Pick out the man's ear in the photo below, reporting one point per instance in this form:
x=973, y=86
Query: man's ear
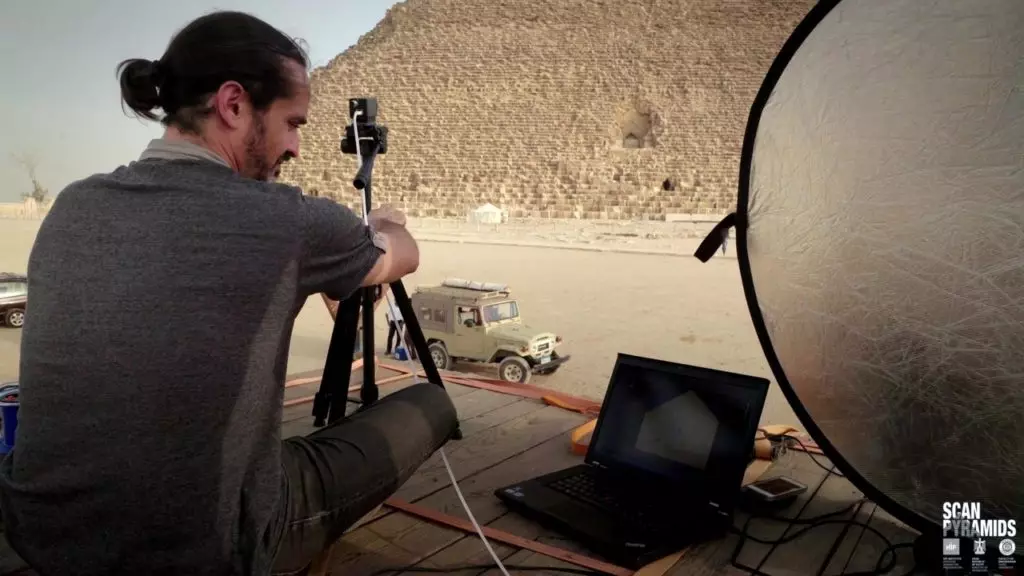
x=231, y=104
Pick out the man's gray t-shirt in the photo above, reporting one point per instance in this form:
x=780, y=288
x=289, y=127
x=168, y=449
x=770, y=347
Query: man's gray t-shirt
x=162, y=301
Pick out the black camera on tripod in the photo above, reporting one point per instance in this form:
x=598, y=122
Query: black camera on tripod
x=364, y=138
x=371, y=136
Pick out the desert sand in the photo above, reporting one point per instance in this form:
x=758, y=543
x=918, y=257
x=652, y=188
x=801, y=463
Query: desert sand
x=605, y=287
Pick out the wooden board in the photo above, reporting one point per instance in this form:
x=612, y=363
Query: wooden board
x=489, y=447
x=861, y=549
x=478, y=489
x=809, y=553
x=534, y=561
x=400, y=539
x=469, y=549
x=523, y=445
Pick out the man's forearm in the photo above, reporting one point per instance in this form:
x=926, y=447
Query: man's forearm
x=400, y=244
x=401, y=253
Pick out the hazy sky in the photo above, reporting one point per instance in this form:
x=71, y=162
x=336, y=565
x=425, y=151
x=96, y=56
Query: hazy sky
x=59, y=97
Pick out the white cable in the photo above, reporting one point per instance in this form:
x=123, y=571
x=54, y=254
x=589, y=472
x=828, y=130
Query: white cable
x=359, y=166
x=444, y=457
x=415, y=376
x=455, y=484
x=469, y=512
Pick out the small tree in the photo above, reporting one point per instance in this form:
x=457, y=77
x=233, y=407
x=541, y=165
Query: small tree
x=38, y=192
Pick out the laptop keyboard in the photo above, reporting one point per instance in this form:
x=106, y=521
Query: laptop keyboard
x=632, y=508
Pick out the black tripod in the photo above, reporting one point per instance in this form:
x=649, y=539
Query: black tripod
x=331, y=399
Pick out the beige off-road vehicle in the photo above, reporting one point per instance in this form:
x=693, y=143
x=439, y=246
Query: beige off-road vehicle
x=479, y=322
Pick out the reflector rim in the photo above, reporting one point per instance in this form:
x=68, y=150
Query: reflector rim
x=792, y=45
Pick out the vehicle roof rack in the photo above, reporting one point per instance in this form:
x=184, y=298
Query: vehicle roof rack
x=471, y=285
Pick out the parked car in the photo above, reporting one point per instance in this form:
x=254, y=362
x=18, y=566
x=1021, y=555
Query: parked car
x=479, y=322
x=13, y=299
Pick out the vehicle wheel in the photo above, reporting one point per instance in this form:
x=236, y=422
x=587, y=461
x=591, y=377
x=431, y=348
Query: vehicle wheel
x=15, y=318
x=514, y=369
x=439, y=354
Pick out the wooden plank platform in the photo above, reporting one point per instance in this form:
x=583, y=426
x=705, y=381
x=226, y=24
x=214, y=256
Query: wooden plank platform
x=509, y=438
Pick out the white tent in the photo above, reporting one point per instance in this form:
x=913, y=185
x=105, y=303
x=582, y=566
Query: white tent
x=487, y=214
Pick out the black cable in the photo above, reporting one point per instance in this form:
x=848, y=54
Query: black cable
x=446, y=569
x=886, y=560
x=784, y=441
x=880, y=566
x=879, y=569
x=810, y=520
x=811, y=455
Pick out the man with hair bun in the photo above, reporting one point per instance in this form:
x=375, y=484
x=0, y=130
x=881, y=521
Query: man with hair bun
x=153, y=362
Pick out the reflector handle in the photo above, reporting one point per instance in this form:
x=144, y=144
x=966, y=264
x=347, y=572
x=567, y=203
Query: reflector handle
x=713, y=241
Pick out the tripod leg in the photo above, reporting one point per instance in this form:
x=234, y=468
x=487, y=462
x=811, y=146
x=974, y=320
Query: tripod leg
x=369, y=392
x=415, y=333
x=330, y=401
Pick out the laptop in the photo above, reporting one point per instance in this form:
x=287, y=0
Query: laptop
x=664, y=466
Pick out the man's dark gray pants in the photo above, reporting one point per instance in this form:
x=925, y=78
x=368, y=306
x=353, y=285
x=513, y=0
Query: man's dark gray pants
x=340, y=473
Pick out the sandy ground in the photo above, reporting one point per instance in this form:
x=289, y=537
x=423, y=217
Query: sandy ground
x=604, y=287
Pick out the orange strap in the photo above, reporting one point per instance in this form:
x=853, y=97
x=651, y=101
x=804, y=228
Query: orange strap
x=506, y=538
x=581, y=405
x=805, y=444
x=580, y=437
x=762, y=445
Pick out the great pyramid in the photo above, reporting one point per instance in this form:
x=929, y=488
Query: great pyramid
x=610, y=109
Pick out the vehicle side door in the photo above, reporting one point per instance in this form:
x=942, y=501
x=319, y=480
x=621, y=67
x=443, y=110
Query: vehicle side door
x=470, y=336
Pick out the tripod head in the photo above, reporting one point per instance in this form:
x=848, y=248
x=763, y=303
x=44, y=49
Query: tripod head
x=364, y=138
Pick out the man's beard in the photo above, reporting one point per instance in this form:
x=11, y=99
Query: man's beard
x=256, y=164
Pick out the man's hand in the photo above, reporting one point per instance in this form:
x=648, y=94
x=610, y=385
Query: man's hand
x=386, y=214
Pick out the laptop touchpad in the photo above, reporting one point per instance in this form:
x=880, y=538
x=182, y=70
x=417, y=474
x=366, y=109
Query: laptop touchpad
x=584, y=517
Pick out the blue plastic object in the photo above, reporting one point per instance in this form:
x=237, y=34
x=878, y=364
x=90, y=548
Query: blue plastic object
x=9, y=413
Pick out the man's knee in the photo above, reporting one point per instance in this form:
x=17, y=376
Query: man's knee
x=435, y=405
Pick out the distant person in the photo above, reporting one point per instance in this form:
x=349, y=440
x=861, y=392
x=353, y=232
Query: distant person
x=153, y=365
x=396, y=328
x=725, y=239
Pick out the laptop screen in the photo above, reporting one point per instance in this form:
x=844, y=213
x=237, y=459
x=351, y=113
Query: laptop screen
x=681, y=423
